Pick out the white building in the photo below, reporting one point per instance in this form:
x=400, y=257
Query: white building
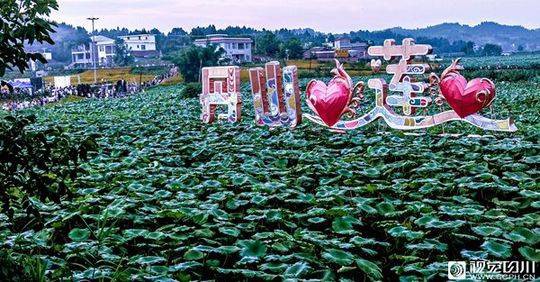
x=141, y=45
x=102, y=49
x=237, y=49
x=81, y=55
x=105, y=49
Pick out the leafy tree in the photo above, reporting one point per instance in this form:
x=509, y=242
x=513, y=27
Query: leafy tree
x=160, y=38
x=492, y=50
x=468, y=49
x=177, y=31
x=191, y=60
x=23, y=21
x=331, y=38
x=176, y=40
x=122, y=57
x=267, y=44
x=292, y=49
x=203, y=31
x=113, y=33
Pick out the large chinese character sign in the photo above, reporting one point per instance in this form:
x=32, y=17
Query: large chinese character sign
x=221, y=86
x=276, y=95
x=407, y=94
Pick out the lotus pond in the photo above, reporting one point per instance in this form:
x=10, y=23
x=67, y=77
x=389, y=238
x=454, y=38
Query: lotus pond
x=168, y=198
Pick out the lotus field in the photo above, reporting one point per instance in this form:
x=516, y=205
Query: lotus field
x=166, y=197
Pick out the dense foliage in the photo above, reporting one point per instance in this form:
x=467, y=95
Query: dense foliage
x=36, y=163
x=169, y=197
x=122, y=56
x=191, y=90
x=491, y=50
x=191, y=60
x=23, y=21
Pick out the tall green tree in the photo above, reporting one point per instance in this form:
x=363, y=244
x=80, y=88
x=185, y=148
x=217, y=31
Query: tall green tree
x=122, y=55
x=468, y=48
x=23, y=21
x=492, y=50
x=292, y=49
x=267, y=44
x=191, y=60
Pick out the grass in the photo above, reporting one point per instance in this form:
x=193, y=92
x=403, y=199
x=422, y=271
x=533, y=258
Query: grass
x=106, y=75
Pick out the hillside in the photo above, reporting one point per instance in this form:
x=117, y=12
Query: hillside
x=509, y=37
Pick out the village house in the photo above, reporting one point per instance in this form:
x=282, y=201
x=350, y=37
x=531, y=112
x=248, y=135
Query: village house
x=141, y=45
x=237, y=49
x=105, y=50
x=341, y=49
x=100, y=48
x=81, y=55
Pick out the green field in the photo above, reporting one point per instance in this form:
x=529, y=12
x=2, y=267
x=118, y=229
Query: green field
x=168, y=198
x=516, y=61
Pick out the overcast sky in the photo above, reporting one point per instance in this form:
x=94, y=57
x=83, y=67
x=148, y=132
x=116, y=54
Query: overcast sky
x=322, y=15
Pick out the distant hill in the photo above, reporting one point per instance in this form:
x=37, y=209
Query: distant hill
x=445, y=38
x=65, y=37
x=508, y=37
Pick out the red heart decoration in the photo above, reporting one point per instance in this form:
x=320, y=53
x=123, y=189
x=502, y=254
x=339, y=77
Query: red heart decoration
x=329, y=102
x=467, y=98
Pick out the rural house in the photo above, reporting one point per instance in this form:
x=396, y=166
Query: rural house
x=141, y=45
x=237, y=49
x=100, y=48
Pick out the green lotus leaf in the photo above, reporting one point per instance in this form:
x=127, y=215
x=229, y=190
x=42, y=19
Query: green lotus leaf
x=531, y=254
x=338, y=257
x=297, y=270
x=150, y=260
x=252, y=248
x=487, y=231
x=500, y=250
x=231, y=231
x=371, y=269
x=194, y=255
x=78, y=234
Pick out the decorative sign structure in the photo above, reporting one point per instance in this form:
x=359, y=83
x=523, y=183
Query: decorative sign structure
x=376, y=65
x=466, y=99
x=276, y=95
x=334, y=100
x=221, y=86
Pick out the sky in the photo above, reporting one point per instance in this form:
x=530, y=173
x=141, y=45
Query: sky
x=337, y=16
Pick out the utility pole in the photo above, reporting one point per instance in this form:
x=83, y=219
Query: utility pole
x=93, y=19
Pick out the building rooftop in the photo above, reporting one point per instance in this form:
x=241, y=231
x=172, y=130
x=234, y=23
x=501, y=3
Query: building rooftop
x=134, y=35
x=223, y=38
x=100, y=38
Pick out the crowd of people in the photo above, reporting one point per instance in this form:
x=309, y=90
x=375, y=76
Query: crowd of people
x=13, y=99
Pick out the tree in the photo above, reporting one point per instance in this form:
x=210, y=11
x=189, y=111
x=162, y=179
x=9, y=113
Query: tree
x=160, y=38
x=178, y=31
x=23, y=21
x=122, y=55
x=267, y=44
x=203, y=31
x=331, y=38
x=176, y=40
x=492, y=50
x=191, y=60
x=468, y=48
x=292, y=49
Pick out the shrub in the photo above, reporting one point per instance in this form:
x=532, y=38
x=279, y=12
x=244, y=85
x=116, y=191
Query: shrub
x=192, y=90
